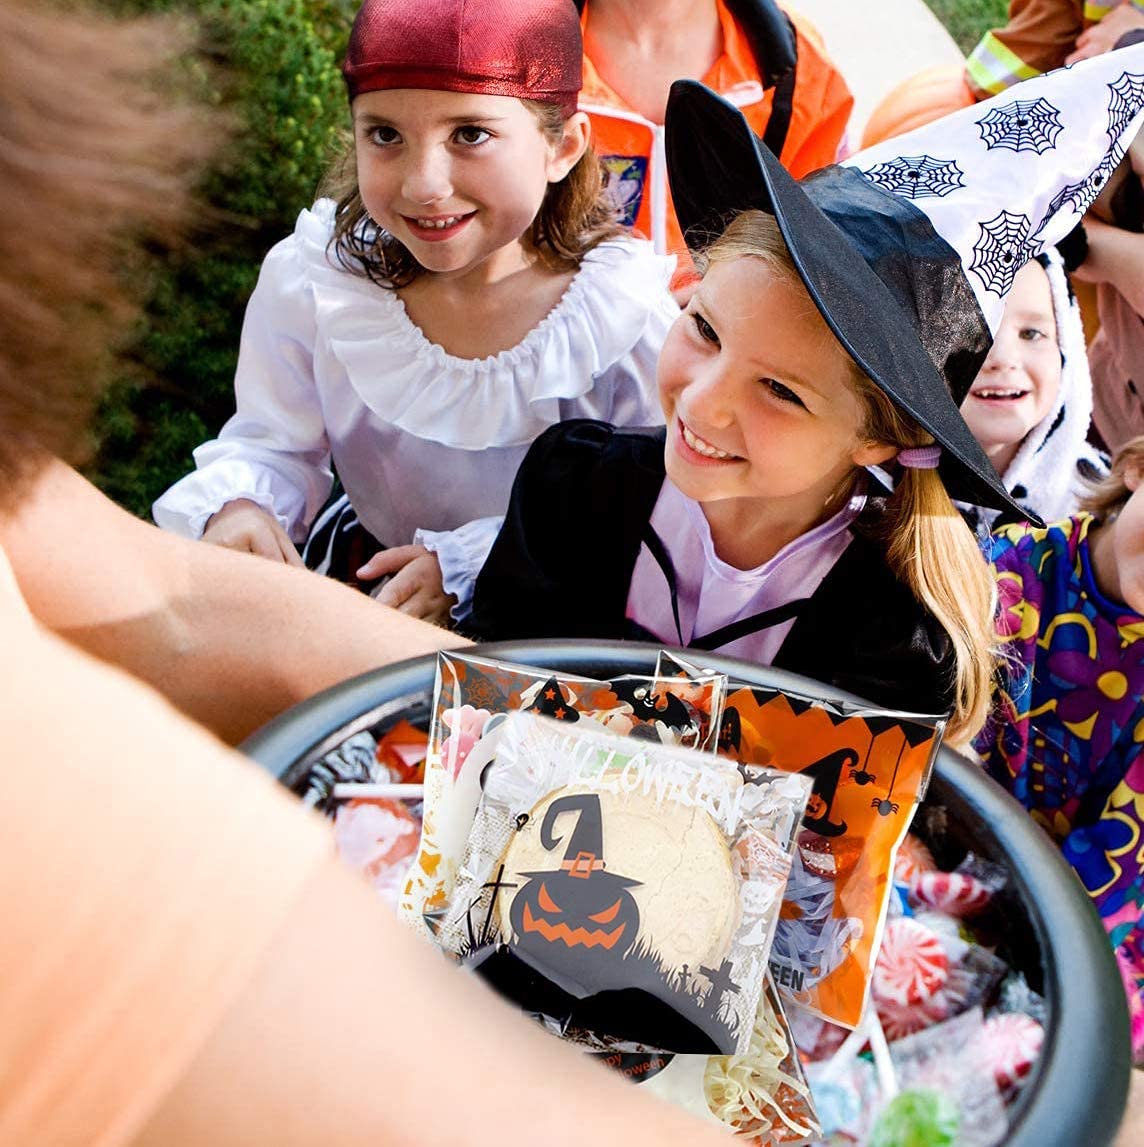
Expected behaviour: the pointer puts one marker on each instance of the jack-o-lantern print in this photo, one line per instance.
(577, 915)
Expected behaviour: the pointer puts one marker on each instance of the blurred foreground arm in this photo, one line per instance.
(186, 963)
(227, 638)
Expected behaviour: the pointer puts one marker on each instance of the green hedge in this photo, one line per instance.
(274, 65)
(968, 20)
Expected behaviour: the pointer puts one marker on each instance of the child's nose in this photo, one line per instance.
(711, 395)
(1001, 356)
(426, 177)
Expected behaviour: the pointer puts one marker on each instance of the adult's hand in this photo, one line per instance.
(1102, 37)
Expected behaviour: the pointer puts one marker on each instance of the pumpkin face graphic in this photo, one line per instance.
(573, 916)
(558, 909)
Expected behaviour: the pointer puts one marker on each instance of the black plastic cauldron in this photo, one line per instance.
(1076, 1093)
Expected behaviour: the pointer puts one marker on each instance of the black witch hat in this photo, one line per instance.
(909, 250)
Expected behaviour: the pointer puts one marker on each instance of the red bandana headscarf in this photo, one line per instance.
(530, 49)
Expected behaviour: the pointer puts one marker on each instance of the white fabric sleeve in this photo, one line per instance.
(274, 449)
(461, 552)
(635, 396)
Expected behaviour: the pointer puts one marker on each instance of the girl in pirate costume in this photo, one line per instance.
(464, 289)
(797, 510)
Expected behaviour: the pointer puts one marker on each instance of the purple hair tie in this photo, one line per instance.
(920, 457)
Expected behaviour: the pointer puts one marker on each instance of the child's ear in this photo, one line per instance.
(873, 454)
(1133, 472)
(566, 154)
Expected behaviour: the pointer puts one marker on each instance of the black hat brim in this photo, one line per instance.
(718, 168)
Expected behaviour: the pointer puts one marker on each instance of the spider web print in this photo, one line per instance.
(1126, 100)
(917, 176)
(1001, 250)
(1023, 125)
(1080, 195)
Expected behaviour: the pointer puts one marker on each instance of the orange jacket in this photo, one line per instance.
(631, 147)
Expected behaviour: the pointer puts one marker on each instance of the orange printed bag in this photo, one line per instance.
(870, 768)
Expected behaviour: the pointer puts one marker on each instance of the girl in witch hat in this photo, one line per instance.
(465, 288)
(799, 511)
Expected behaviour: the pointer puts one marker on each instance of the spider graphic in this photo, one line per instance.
(862, 776)
(884, 807)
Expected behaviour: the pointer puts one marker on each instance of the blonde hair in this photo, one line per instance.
(575, 215)
(929, 547)
(1106, 496)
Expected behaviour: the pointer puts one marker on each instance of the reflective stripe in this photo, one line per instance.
(992, 67)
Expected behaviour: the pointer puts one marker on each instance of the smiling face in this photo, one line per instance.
(457, 178)
(1018, 384)
(758, 400)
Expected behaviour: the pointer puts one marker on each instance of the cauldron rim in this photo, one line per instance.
(1086, 1050)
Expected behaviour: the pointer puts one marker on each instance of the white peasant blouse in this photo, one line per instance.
(331, 368)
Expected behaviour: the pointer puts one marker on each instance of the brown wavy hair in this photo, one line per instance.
(575, 215)
(96, 158)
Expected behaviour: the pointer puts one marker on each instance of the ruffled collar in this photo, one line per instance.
(506, 399)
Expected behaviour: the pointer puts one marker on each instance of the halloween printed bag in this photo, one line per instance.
(471, 697)
(762, 1095)
(625, 892)
(870, 768)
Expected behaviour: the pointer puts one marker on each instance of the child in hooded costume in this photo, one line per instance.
(1065, 736)
(1030, 406)
(469, 288)
(840, 324)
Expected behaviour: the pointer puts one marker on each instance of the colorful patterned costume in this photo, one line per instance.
(1068, 728)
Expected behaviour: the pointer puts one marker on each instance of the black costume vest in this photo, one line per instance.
(579, 513)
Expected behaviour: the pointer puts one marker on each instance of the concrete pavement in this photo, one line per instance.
(876, 44)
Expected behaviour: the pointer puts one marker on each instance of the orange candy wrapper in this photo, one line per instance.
(870, 769)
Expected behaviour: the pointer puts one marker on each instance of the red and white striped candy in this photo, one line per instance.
(900, 1020)
(913, 857)
(911, 965)
(1010, 1043)
(952, 892)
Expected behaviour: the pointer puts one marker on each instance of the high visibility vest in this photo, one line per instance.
(773, 68)
(1037, 38)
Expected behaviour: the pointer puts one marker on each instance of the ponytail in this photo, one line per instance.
(931, 550)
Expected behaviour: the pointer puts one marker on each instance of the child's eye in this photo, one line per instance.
(781, 392)
(1032, 334)
(470, 135)
(383, 136)
(706, 331)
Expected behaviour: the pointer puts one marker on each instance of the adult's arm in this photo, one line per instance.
(1115, 257)
(822, 106)
(187, 963)
(228, 638)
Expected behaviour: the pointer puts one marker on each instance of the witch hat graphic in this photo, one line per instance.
(551, 702)
(826, 774)
(576, 916)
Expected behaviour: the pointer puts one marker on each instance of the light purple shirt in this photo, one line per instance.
(711, 593)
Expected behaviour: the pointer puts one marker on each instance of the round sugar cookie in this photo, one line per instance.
(673, 860)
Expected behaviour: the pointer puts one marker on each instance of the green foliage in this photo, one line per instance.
(968, 20)
(274, 66)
